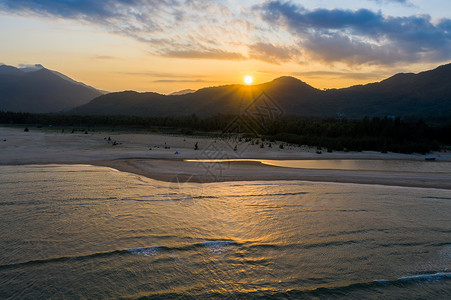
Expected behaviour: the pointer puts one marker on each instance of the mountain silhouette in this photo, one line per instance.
(41, 91)
(9, 70)
(426, 95)
(182, 92)
(227, 99)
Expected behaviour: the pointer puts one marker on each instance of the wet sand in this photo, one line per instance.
(181, 171)
(161, 157)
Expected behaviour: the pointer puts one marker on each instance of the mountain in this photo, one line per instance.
(41, 90)
(227, 99)
(8, 70)
(426, 94)
(182, 92)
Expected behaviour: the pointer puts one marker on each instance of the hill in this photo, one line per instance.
(41, 91)
(427, 94)
(182, 92)
(227, 99)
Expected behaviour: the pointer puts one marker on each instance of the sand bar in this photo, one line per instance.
(161, 157)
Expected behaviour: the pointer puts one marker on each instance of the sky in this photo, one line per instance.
(169, 45)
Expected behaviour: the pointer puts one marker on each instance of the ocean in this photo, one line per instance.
(86, 232)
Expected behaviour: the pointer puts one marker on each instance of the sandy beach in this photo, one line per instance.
(161, 157)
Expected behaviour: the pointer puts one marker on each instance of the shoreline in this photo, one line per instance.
(180, 172)
(163, 170)
(161, 157)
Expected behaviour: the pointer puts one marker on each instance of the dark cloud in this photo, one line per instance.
(339, 47)
(361, 36)
(83, 8)
(129, 17)
(404, 2)
(274, 31)
(296, 18)
(274, 54)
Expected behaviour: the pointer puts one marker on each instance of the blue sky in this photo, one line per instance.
(173, 44)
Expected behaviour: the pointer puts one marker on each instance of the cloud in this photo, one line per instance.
(103, 57)
(168, 77)
(180, 81)
(274, 31)
(403, 2)
(352, 75)
(205, 54)
(360, 36)
(186, 28)
(30, 68)
(274, 54)
(158, 74)
(86, 9)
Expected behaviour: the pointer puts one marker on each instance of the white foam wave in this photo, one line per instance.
(427, 277)
(147, 251)
(217, 247)
(217, 243)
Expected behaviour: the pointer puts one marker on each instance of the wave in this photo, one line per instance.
(380, 285)
(436, 198)
(352, 232)
(400, 288)
(61, 259)
(304, 245)
(271, 183)
(409, 244)
(169, 199)
(439, 276)
(327, 244)
(267, 195)
(151, 251)
(144, 251)
(217, 244)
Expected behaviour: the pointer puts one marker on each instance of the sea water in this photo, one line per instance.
(79, 231)
(383, 165)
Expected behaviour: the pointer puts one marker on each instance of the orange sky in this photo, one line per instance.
(152, 46)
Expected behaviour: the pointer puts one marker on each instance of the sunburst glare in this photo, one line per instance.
(248, 79)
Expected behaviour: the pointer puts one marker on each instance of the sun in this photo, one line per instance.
(248, 79)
